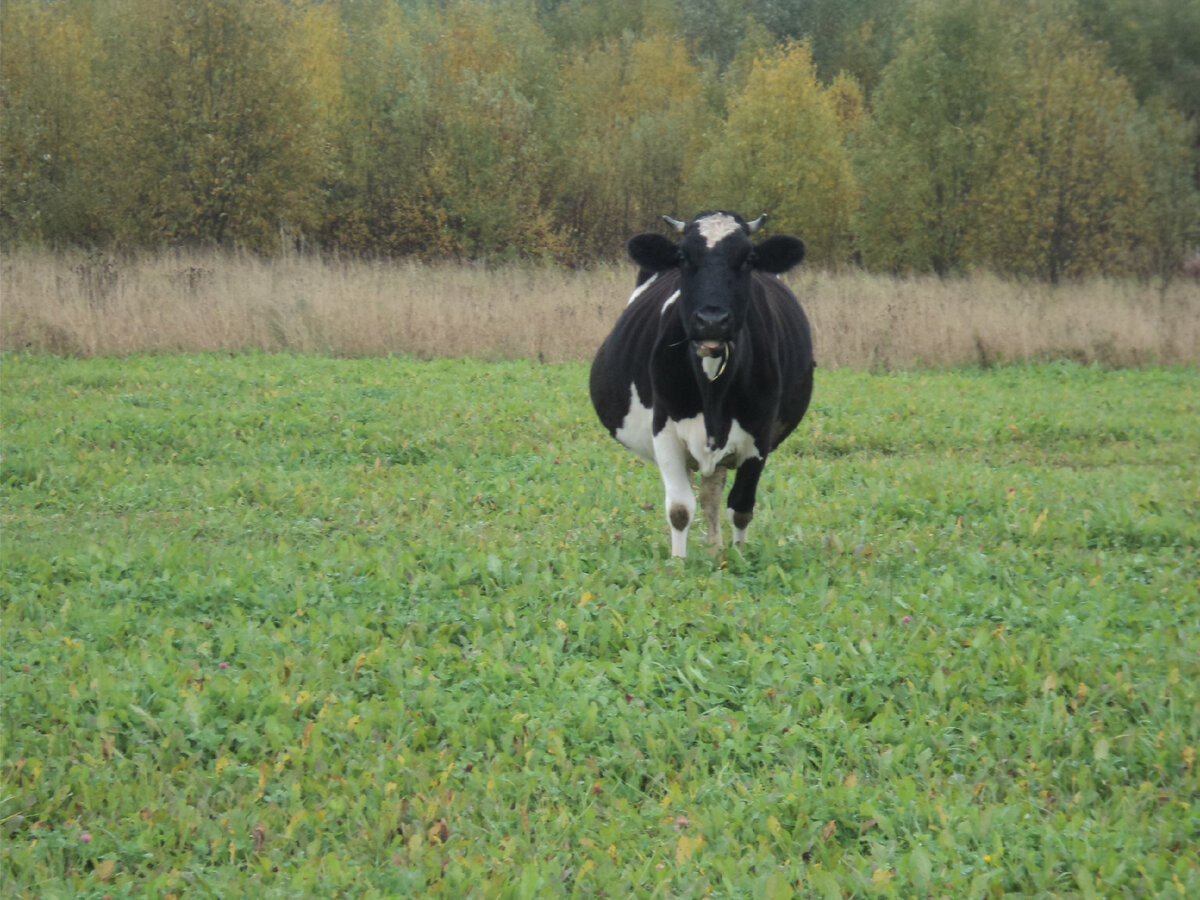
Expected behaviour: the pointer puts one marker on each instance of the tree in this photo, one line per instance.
(781, 151)
(923, 155)
(48, 134)
(576, 25)
(1168, 225)
(1153, 43)
(857, 38)
(714, 29)
(441, 147)
(492, 70)
(1068, 181)
(209, 126)
(630, 111)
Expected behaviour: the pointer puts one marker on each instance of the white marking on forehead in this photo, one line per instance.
(667, 305)
(642, 287)
(716, 228)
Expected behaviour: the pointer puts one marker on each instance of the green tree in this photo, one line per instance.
(1153, 43)
(781, 151)
(857, 38)
(209, 126)
(714, 29)
(48, 134)
(924, 152)
(492, 70)
(630, 110)
(440, 146)
(1168, 225)
(373, 193)
(1068, 180)
(576, 25)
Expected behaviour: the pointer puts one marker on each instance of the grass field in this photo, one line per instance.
(294, 626)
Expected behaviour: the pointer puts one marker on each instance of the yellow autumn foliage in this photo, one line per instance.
(781, 151)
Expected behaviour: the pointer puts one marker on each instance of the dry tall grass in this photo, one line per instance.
(89, 304)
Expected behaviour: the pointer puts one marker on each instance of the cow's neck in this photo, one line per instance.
(714, 392)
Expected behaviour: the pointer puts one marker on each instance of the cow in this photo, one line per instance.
(709, 367)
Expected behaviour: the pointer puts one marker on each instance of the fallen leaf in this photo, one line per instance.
(104, 869)
(439, 832)
(686, 847)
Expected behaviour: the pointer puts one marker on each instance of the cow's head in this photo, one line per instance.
(716, 260)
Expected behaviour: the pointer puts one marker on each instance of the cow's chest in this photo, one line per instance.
(701, 452)
(685, 436)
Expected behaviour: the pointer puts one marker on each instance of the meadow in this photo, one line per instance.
(287, 625)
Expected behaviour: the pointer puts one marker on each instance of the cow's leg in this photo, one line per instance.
(671, 457)
(741, 497)
(711, 488)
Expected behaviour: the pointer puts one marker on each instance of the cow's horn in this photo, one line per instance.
(756, 224)
(675, 223)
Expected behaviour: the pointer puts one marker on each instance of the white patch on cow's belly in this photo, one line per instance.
(739, 448)
(641, 288)
(635, 431)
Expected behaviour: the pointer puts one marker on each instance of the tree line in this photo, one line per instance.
(1044, 138)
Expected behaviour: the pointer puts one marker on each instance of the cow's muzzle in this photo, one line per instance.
(711, 324)
(709, 348)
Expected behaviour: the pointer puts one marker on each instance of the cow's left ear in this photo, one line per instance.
(778, 253)
(653, 251)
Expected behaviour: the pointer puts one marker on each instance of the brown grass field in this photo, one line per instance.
(100, 305)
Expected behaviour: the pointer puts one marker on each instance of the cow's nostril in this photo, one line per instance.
(712, 319)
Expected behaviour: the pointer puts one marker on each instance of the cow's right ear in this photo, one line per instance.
(653, 251)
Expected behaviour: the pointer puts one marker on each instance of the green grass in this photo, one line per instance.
(284, 626)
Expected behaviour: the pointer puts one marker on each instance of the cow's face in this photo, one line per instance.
(716, 260)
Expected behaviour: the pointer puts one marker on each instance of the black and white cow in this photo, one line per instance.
(709, 367)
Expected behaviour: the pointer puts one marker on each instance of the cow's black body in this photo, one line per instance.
(709, 367)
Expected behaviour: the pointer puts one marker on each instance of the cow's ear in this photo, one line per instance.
(653, 251)
(778, 253)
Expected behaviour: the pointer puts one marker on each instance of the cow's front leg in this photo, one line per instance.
(741, 497)
(672, 460)
(711, 488)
